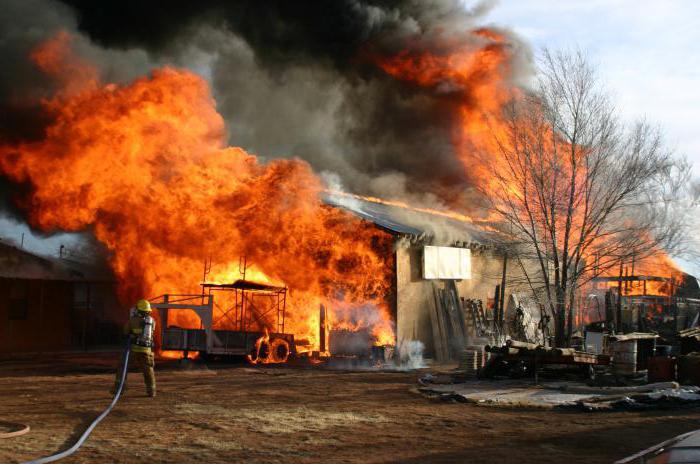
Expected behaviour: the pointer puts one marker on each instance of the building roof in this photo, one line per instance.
(406, 221)
(17, 263)
(246, 285)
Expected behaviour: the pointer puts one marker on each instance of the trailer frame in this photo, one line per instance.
(243, 316)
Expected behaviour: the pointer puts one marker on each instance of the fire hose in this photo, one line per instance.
(19, 430)
(88, 431)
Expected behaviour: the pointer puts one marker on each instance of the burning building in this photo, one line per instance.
(431, 256)
(438, 253)
(638, 302)
(147, 166)
(150, 167)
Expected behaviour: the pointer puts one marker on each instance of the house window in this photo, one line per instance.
(19, 300)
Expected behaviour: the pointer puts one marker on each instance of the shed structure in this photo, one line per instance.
(413, 291)
(51, 304)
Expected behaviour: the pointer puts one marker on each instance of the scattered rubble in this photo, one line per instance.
(569, 395)
(524, 374)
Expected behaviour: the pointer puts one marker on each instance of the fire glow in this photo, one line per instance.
(476, 75)
(146, 168)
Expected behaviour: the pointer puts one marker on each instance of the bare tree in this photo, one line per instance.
(578, 192)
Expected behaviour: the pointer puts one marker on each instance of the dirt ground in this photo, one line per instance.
(236, 413)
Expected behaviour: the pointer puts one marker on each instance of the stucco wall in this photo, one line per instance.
(415, 296)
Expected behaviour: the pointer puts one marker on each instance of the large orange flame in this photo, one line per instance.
(476, 75)
(146, 168)
(658, 265)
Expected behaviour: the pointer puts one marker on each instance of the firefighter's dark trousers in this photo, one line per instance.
(142, 361)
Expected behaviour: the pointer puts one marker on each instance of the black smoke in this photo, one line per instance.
(291, 78)
(279, 31)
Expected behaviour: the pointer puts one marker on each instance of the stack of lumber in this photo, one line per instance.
(515, 347)
(474, 309)
(455, 321)
(692, 332)
(471, 360)
(689, 340)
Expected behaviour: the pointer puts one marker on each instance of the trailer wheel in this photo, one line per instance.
(260, 353)
(279, 350)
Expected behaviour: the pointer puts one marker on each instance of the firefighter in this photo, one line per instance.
(140, 329)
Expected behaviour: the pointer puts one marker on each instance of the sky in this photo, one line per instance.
(645, 51)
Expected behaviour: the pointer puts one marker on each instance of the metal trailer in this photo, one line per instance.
(247, 311)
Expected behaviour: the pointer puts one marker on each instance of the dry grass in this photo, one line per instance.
(280, 420)
(305, 416)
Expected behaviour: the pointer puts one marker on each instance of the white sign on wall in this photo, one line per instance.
(447, 263)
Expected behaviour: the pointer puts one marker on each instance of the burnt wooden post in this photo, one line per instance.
(496, 301)
(618, 313)
(322, 328)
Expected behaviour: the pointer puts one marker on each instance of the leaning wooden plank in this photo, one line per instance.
(457, 304)
(693, 331)
(471, 325)
(438, 334)
(456, 325)
(449, 329)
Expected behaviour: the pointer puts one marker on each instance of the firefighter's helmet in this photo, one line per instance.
(144, 306)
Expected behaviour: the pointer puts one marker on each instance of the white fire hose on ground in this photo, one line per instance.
(88, 431)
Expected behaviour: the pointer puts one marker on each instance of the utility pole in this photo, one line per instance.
(618, 313)
(501, 305)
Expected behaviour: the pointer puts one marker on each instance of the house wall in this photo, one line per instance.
(35, 315)
(52, 315)
(97, 316)
(415, 296)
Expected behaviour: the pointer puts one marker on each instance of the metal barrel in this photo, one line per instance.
(625, 357)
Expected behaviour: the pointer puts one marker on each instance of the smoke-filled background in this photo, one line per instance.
(292, 79)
